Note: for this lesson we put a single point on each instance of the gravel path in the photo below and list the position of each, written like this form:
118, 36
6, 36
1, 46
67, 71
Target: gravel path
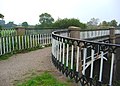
18, 65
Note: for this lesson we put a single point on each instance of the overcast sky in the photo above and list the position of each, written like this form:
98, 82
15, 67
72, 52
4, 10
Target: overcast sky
29, 10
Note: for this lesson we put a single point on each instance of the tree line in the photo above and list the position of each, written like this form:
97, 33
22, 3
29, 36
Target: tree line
94, 23
47, 21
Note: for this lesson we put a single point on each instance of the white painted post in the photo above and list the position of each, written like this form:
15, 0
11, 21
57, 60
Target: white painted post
57, 50
93, 33
77, 64
67, 55
10, 43
1, 45
7, 43
92, 61
36, 40
43, 39
48, 38
16, 42
31, 40
63, 53
97, 33
85, 34
28, 41
111, 70
60, 50
84, 59
72, 57
53, 45
25, 42
19, 43
101, 67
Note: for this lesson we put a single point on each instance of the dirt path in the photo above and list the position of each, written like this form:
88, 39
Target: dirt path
19, 65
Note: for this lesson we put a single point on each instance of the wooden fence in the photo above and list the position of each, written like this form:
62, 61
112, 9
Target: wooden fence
12, 43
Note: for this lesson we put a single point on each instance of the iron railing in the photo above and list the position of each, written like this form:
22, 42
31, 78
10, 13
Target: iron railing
90, 63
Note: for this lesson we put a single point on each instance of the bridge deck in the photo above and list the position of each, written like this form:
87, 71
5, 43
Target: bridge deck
22, 65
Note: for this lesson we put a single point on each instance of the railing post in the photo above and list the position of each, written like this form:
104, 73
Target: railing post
112, 40
112, 35
74, 32
20, 30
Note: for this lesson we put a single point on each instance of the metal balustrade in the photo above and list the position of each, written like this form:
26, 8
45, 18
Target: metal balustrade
93, 34
85, 61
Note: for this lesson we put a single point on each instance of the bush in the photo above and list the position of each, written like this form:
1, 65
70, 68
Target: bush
65, 23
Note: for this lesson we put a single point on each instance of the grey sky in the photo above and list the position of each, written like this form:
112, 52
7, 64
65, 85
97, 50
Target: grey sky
29, 10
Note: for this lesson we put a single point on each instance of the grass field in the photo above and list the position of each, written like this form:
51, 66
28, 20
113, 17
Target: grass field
45, 79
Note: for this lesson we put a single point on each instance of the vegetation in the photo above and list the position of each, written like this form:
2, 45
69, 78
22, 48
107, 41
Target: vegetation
93, 23
45, 20
108, 24
65, 23
25, 24
6, 56
117, 83
1, 16
45, 79
119, 25
0, 30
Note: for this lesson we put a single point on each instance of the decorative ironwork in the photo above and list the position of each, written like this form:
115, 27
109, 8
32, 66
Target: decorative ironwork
73, 57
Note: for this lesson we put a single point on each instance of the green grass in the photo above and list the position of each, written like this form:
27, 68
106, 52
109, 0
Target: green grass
45, 79
7, 55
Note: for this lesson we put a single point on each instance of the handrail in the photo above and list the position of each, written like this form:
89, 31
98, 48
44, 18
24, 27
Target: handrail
69, 55
110, 44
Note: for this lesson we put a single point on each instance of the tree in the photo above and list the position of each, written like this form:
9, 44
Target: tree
93, 22
10, 25
25, 24
65, 23
113, 23
104, 23
119, 25
45, 20
1, 16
